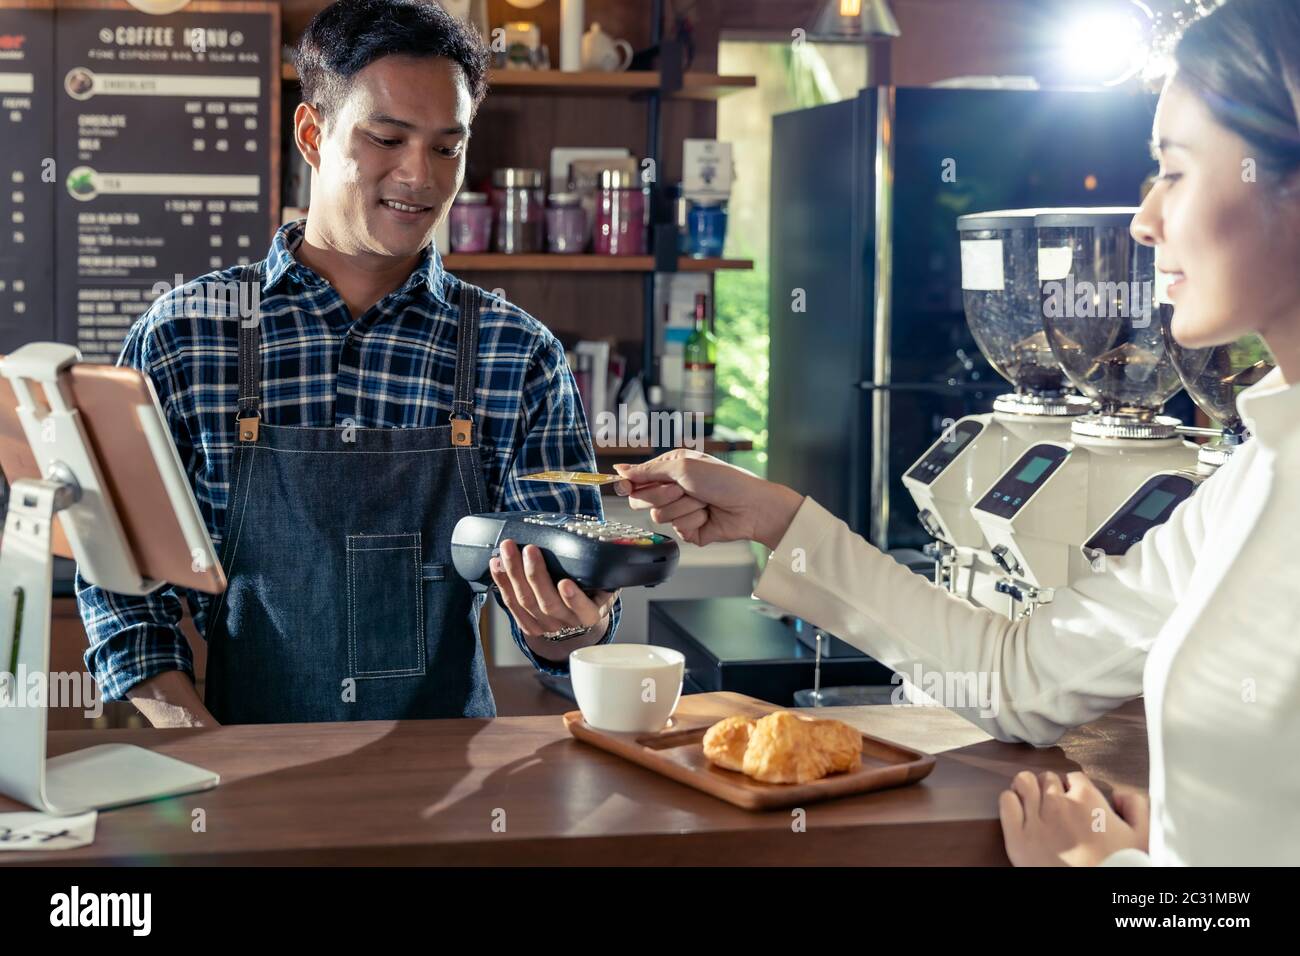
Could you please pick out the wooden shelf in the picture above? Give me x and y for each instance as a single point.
(695, 86)
(554, 262)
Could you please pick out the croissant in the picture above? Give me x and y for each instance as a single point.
(784, 747)
(725, 742)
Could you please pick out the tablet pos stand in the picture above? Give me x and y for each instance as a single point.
(107, 775)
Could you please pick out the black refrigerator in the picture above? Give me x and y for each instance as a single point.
(870, 353)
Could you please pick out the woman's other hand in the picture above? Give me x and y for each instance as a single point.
(1048, 822)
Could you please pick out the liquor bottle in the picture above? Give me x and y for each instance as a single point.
(699, 367)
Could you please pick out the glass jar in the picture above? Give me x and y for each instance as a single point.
(620, 215)
(520, 212)
(566, 223)
(707, 228)
(471, 223)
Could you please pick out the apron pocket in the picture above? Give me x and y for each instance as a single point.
(385, 605)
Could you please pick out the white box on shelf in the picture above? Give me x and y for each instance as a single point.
(442, 235)
(675, 320)
(707, 170)
(599, 352)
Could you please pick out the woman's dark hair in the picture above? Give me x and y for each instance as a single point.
(349, 35)
(1243, 61)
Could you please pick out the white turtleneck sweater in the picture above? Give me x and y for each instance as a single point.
(1202, 617)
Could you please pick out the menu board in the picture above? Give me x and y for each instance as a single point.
(26, 172)
(165, 159)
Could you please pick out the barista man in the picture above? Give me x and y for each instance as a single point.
(334, 443)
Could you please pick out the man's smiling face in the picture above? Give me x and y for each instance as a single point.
(392, 157)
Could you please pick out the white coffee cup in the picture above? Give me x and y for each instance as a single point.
(627, 688)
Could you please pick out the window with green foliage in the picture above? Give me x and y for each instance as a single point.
(790, 76)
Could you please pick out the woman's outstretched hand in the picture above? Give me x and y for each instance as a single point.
(707, 500)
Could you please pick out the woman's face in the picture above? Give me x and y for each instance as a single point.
(1227, 234)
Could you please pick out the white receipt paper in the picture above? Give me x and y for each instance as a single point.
(44, 831)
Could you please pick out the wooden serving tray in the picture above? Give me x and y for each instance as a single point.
(677, 752)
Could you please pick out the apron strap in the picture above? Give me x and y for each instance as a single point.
(250, 361)
(462, 410)
(462, 415)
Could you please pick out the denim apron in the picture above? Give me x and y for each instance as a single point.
(342, 601)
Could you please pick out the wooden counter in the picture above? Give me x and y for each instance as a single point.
(428, 792)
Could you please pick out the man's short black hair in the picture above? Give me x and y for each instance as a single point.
(349, 35)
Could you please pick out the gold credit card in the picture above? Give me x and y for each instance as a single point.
(571, 477)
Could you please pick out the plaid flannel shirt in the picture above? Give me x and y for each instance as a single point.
(393, 367)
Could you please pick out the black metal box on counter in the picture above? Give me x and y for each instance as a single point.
(140, 152)
(731, 644)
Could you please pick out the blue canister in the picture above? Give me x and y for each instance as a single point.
(706, 228)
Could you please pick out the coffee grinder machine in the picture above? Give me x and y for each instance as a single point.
(1125, 466)
(1000, 291)
(1214, 377)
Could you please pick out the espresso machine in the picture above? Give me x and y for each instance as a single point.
(1065, 505)
(1000, 291)
(1214, 377)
